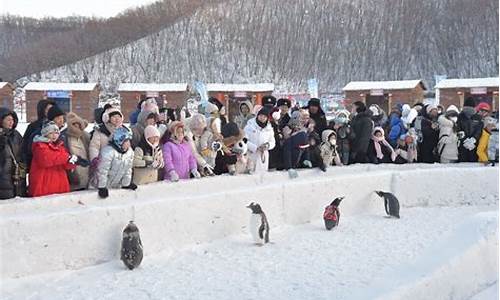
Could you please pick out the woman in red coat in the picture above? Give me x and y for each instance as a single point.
(50, 162)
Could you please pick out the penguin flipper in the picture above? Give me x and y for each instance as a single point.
(261, 231)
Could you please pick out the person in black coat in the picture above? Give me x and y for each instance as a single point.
(470, 127)
(12, 171)
(42, 109)
(430, 134)
(317, 114)
(362, 127)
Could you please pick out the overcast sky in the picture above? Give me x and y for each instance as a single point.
(64, 8)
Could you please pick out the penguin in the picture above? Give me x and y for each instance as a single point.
(131, 251)
(259, 227)
(391, 203)
(331, 216)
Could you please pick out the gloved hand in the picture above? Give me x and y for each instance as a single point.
(103, 193)
(195, 173)
(208, 170)
(307, 164)
(132, 186)
(292, 173)
(83, 162)
(73, 159)
(173, 176)
(263, 147)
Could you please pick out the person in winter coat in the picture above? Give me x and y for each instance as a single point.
(407, 147)
(12, 170)
(144, 119)
(448, 139)
(228, 152)
(379, 116)
(245, 114)
(135, 114)
(362, 128)
(317, 114)
(201, 140)
(284, 107)
(179, 159)
(77, 141)
(493, 145)
(111, 119)
(115, 164)
(379, 150)
(396, 129)
(33, 129)
(482, 148)
(430, 135)
(296, 144)
(260, 139)
(315, 151)
(214, 120)
(50, 162)
(344, 135)
(470, 126)
(328, 147)
(148, 157)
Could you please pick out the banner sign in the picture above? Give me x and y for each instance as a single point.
(58, 94)
(313, 88)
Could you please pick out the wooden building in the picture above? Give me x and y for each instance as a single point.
(80, 98)
(455, 91)
(385, 93)
(170, 95)
(7, 95)
(231, 94)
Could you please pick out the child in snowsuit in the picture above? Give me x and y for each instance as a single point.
(115, 163)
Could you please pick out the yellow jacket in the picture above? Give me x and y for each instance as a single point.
(482, 147)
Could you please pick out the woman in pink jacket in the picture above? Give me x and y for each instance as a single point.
(180, 162)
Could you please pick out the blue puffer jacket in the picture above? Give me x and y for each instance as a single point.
(397, 129)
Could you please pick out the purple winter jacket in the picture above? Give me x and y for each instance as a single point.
(178, 157)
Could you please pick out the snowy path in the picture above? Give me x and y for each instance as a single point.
(303, 262)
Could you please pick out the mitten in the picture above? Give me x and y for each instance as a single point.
(103, 192)
(132, 186)
(72, 159)
(173, 176)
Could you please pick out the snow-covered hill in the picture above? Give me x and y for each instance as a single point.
(289, 41)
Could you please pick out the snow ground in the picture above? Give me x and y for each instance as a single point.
(358, 260)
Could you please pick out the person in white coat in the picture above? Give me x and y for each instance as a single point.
(448, 139)
(260, 139)
(115, 164)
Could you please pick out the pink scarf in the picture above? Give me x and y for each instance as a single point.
(378, 148)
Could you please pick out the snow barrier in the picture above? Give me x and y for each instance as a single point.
(75, 230)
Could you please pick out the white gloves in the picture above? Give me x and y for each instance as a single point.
(73, 159)
(470, 143)
(195, 173)
(307, 164)
(173, 176)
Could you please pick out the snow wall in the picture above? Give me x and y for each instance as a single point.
(75, 230)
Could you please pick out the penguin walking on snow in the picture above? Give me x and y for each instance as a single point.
(131, 252)
(331, 216)
(391, 203)
(259, 227)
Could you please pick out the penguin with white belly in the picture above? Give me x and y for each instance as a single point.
(259, 227)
